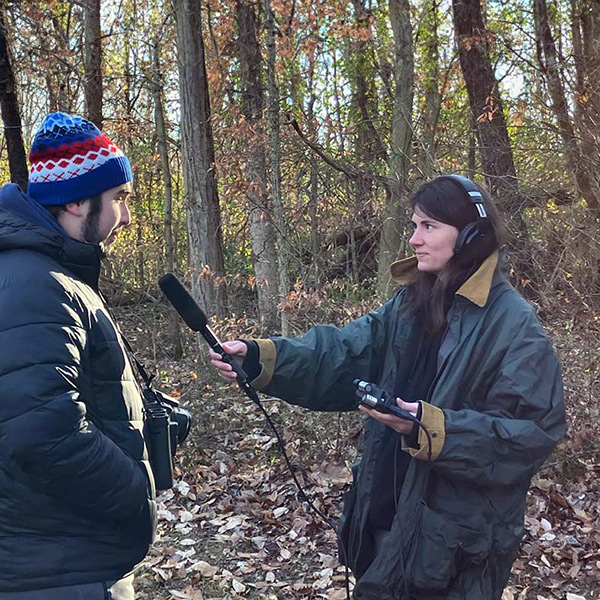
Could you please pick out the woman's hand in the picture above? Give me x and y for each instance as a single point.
(236, 350)
(402, 426)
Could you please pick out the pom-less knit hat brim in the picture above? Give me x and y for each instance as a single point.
(116, 171)
(71, 159)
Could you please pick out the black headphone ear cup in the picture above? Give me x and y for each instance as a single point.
(466, 236)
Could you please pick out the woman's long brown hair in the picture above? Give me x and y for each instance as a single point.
(445, 200)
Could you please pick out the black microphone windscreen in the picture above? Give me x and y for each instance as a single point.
(183, 302)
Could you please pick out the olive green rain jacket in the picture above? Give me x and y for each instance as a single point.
(494, 411)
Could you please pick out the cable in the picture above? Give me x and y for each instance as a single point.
(252, 394)
(194, 317)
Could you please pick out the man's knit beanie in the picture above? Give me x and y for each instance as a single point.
(71, 159)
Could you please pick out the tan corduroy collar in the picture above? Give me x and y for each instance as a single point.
(476, 288)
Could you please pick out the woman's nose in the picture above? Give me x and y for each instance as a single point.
(415, 238)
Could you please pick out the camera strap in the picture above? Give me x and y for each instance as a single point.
(141, 369)
(144, 380)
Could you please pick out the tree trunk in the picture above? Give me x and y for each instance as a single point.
(11, 117)
(66, 85)
(161, 132)
(484, 97)
(93, 62)
(472, 152)
(550, 66)
(262, 233)
(140, 274)
(314, 273)
(429, 30)
(584, 131)
(369, 146)
(370, 153)
(395, 218)
(282, 234)
(205, 239)
(494, 143)
(315, 236)
(161, 139)
(586, 48)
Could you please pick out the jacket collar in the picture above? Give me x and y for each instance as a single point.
(476, 288)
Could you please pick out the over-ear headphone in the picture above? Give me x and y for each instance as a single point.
(470, 232)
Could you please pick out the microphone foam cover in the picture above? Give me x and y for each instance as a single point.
(183, 302)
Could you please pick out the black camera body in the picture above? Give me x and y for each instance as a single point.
(167, 425)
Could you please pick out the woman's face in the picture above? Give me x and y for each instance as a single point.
(432, 241)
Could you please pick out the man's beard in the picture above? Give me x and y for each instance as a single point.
(91, 226)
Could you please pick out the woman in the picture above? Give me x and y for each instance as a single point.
(440, 517)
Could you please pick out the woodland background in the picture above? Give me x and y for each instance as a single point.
(274, 145)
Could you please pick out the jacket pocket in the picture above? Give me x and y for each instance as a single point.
(441, 550)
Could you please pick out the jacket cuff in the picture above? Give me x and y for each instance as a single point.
(434, 420)
(251, 363)
(267, 358)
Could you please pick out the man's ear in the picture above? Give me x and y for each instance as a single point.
(75, 208)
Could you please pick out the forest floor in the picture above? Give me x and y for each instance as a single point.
(233, 527)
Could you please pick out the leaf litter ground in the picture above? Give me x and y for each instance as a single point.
(234, 526)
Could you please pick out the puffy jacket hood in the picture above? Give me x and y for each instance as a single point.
(25, 225)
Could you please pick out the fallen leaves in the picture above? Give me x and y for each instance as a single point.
(205, 569)
(233, 526)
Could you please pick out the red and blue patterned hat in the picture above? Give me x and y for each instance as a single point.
(71, 159)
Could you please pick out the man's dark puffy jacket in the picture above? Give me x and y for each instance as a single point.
(494, 411)
(76, 493)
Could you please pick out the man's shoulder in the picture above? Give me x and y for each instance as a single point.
(28, 273)
(39, 291)
(24, 264)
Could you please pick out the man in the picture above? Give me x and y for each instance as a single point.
(77, 508)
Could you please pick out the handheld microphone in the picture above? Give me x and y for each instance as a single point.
(196, 320)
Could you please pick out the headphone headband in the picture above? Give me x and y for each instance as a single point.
(470, 190)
